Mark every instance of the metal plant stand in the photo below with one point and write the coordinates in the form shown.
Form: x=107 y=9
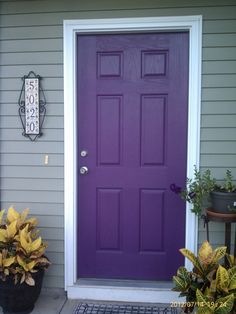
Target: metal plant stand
x=228 y=219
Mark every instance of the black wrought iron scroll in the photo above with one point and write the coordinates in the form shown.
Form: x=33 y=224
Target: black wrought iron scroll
x=32 y=106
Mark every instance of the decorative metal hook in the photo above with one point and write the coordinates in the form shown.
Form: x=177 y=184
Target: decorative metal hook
x=32 y=104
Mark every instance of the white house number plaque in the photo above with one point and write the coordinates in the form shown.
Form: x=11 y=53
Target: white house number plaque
x=32 y=106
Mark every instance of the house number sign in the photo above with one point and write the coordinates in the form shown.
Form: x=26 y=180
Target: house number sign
x=32 y=106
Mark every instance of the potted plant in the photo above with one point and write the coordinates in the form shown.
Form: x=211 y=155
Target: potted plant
x=22 y=261
x=209 y=287
x=223 y=196
x=204 y=191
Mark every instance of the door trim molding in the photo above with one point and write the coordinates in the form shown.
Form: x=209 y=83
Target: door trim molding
x=122 y=25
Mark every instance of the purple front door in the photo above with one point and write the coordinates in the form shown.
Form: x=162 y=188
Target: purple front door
x=132 y=137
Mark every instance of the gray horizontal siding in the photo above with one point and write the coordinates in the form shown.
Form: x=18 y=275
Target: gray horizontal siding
x=149 y=8
x=219 y=172
x=217 y=161
x=213 y=226
x=219 y=40
x=33 y=196
x=219 y=107
x=56 y=246
x=220 y=120
x=53 y=209
x=31 y=147
x=219 y=67
x=11 y=184
x=45 y=71
x=31 y=38
x=219 y=27
x=217 y=234
x=218 y=80
x=52 y=234
x=218 y=134
x=210 y=54
x=32 y=45
x=102 y=5
x=52 y=57
x=31 y=32
x=8 y=97
x=10 y=109
x=8 y=159
x=12 y=122
x=54 y=281
x=216 y=94
x=31 y=172
x=57 y=269
x=14 y=84
x=218 y=147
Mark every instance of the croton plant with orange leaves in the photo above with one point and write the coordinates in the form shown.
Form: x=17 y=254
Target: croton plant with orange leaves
x=21 y=249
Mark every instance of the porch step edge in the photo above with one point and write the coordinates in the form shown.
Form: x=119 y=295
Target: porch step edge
x=124 y=294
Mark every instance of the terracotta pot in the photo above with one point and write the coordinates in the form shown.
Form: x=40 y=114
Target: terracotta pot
x=20 y=298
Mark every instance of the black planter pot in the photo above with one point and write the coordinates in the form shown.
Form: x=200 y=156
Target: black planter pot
x=20 y=298
x=222 y=202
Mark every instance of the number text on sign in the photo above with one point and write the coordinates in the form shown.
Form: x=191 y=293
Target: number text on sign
x=32 y=106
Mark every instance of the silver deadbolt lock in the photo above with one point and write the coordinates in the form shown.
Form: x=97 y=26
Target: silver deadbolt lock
x=83 y=153
x=83 y=170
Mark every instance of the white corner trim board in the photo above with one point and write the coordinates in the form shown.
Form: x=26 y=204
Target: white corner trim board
x=193 y=24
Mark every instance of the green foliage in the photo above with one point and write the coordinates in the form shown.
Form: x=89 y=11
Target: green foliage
x=231 y=260
x=228 y=185
x=222 y=305
x=199 y=187
x=210 y=287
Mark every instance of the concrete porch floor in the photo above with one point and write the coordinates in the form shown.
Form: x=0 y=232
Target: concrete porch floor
x=53 y=301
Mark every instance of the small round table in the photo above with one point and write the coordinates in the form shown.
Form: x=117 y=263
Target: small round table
x=211 y=215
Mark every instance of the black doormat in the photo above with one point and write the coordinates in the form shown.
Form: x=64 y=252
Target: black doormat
x=110 y=308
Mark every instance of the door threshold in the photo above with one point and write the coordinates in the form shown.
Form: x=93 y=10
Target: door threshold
x=125 y=283
x=124 y=291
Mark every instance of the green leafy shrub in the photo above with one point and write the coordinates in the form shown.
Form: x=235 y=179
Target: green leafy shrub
x=209 y=287
x=199 y=187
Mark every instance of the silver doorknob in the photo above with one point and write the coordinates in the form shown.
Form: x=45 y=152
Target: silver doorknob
x=83 y=170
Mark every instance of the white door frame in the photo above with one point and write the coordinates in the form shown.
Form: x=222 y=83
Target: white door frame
x=193 y=24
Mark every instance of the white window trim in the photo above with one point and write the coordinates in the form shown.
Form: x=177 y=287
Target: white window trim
x=121 y=25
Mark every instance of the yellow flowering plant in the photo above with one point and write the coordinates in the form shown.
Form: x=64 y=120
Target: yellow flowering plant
x=21 y=249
